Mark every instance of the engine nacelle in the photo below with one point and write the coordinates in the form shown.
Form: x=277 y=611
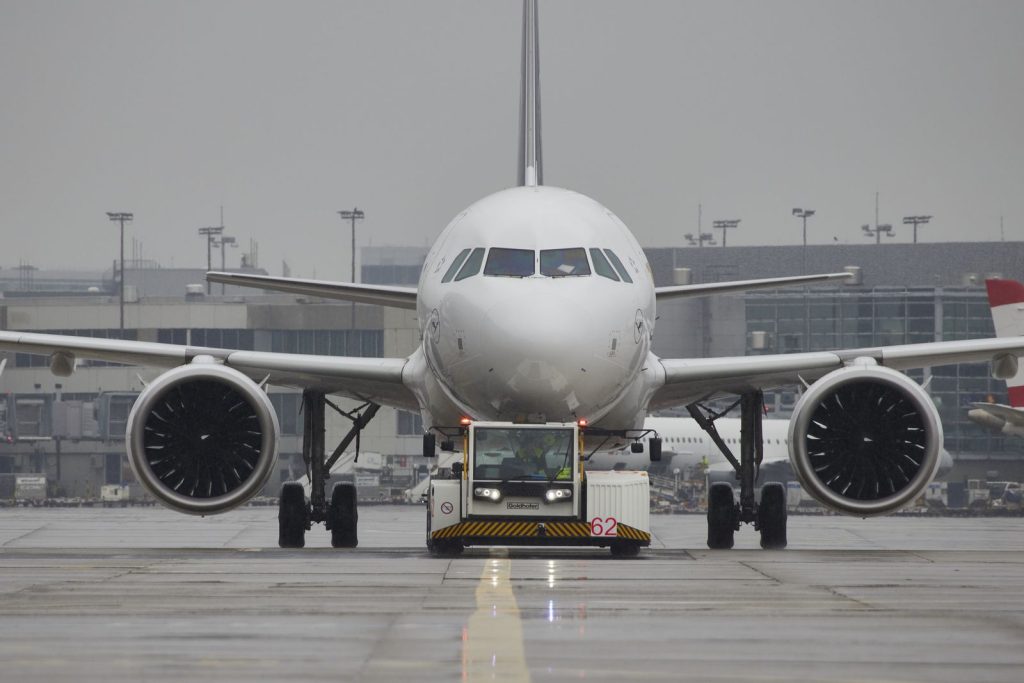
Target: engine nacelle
x=865 y=440
x=202 y=438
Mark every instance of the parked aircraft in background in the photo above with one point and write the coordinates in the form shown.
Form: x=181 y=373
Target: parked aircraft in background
x=535 y=303
x=689 y=448
x=1006 y=298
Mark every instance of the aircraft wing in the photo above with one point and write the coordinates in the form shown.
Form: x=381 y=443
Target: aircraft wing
x=382 y=295
x=1012 y=415
x=709 y=288
x=688 y=380
x=375 y=379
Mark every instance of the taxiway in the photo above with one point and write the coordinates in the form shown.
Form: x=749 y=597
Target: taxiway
x=147 y=594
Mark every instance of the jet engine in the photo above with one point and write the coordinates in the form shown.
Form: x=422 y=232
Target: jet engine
x=865 y=440
x=202 y=438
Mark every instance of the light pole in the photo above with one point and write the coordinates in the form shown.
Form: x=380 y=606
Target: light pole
x=354 y=215
x=877 y=231
x=915 y=221
x=210 y=233
x=700 y=239
x=223 y=242
x=724 y=226
x=804 y=214
x=121 y=217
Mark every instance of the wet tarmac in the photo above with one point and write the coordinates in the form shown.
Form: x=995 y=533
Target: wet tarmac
x=147 y=594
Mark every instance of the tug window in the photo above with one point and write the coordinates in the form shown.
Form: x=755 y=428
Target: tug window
x=564 y=262
x=621 y=269
x=472 y=265
x=601 y=265
x=454 y=267
x=510 y=262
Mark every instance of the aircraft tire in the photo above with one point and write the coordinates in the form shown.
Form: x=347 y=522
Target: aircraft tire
x=343 y=516
x=291 y=516
x=721 y=516
x=771 y=516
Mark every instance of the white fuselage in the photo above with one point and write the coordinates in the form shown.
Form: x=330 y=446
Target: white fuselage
x=552 y=346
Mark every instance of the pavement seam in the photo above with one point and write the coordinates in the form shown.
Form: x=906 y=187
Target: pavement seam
x=24 y=535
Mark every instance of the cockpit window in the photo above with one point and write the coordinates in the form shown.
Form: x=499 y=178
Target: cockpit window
x=454 y=267
x=510 y=262
x=472 y=265
x=621 y=269
x=564 y=262
x=601 y=265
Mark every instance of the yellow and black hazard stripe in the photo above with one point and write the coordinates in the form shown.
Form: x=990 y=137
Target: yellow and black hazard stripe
x=519 y=529
x=567 y=529
x=626 y=531
x=489 y=529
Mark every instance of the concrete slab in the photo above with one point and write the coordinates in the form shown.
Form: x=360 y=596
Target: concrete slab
x=144 y=593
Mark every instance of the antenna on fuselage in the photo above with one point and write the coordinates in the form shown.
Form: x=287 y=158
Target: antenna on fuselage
x=530 y=167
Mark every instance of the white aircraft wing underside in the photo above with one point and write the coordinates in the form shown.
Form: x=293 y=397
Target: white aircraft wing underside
x=376 y=379
x=688 y=380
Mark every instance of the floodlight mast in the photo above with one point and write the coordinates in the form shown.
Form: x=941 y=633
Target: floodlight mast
x=354 y=215
x=223 y=242
x=915 y=221
x=804 y=214
x=121 y=217
x=877 y=231
x=725 y=226
x=210 y=233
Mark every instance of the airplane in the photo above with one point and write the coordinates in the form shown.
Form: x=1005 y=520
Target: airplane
x=535 y=303
x=688 y=447
x=1006 y=299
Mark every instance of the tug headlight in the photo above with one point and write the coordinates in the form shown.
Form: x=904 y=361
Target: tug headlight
x=488 y=493
x=555 y=495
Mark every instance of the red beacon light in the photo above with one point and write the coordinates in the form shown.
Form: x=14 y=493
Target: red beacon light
x=465 y=422
x=582 y=422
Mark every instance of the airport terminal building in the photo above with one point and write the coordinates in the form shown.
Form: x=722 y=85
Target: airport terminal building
x=72 y=428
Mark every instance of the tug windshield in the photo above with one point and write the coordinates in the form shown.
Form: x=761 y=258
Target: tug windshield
x=514 y=453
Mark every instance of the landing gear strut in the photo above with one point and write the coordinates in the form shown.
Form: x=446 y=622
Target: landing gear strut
x=295 y=515
x=724 y=514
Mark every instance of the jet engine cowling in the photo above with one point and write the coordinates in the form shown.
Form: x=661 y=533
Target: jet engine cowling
x=202 y=438
x=865 y=440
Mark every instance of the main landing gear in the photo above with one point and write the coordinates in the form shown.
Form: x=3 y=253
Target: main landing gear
x=724 y=514
x=296 y=515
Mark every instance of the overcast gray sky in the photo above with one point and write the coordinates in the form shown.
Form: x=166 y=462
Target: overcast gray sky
x=285 y=112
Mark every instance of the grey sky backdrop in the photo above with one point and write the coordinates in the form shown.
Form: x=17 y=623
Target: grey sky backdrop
x=286 y=112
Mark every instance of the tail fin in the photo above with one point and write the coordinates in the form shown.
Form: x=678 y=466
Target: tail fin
x=530 y=167
x=1006 y=297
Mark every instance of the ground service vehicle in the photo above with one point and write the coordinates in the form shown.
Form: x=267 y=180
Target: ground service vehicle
x=526 y=484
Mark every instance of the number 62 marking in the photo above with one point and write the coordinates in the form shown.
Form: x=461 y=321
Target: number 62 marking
x=604 y=526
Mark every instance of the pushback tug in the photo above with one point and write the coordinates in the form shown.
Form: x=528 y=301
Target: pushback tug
x=526 y=484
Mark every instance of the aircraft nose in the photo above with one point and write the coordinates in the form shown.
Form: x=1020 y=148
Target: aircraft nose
x=545 y=355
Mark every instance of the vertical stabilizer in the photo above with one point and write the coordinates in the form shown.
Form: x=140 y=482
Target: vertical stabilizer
x=530 y=172
x=1006 y=298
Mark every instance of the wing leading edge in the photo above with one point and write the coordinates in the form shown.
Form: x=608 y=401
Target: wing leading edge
x=382 y=295
x=687 y=380
x=376 y=379
x=710 y=288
